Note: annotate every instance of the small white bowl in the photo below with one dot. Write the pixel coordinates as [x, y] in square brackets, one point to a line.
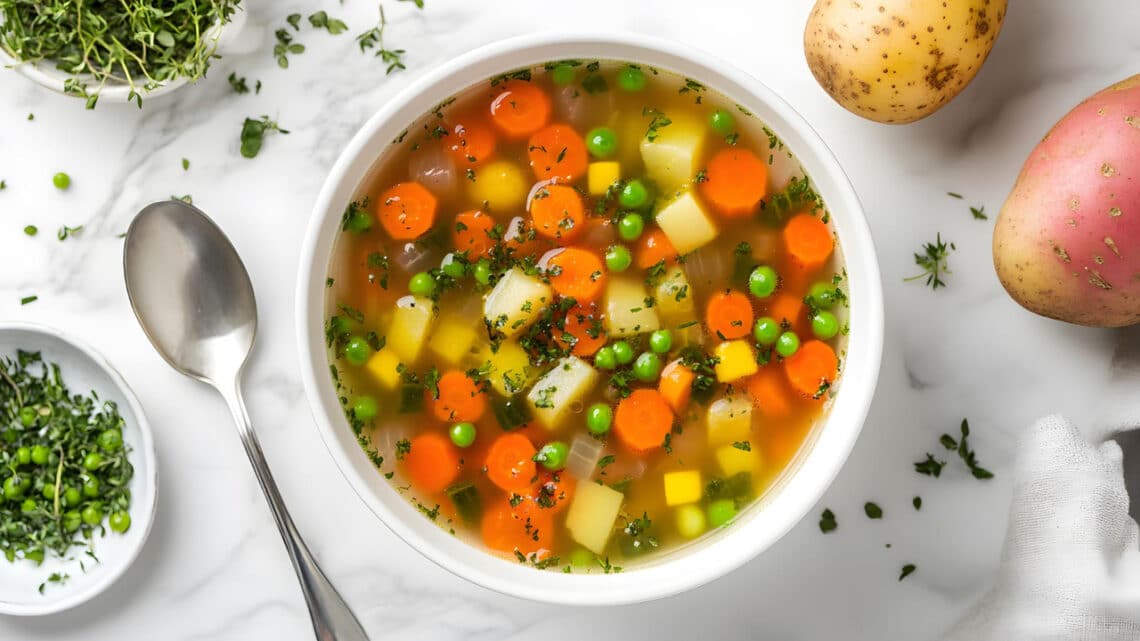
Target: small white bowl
[83, 370]
[756, 528]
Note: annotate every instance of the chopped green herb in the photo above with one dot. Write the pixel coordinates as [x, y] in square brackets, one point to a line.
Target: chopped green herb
[66, 232]
[917, 503]
[907, 570]
[827, 522]
[954, 195]
[979, 213]
[930, 466]
[185, 164]
[253, 134]
[31, 230]
[321, 20]
[934, 262]
[238, 84]
[658, 122]
[29, 299]
[743, 445]
[872, 510]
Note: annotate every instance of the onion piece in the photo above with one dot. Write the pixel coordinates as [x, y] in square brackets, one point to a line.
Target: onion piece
[707, 265]
[578, 107]
[585, 452]
[416, 257]
[434, 168]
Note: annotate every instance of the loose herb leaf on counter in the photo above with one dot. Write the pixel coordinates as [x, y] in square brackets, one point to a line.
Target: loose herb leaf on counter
[979, 213]
[968, 456]
[321, 20]
[419, 3]
[3, 185]
[253, 134]
[27, 300]
[917, 503]
[66, 232]
[827, 522]
[185, 164]
[954, 195]
[933, 261]
[31, 230]
[374, 39]
[872, 510]
[930, 466]
[239, 85]
[906, 571]
[286, 46]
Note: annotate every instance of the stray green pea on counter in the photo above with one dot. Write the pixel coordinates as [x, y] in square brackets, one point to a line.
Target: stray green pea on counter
[63, 462]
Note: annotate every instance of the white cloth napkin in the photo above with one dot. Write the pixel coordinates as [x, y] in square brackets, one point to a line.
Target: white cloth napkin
[1070, 567]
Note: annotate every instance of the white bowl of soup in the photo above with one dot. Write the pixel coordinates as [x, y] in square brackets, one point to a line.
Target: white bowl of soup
[589, 319]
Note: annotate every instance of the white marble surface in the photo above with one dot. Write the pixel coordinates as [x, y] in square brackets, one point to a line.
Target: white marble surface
[214, 567]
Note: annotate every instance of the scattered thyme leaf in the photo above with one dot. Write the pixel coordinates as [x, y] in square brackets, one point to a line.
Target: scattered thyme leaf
[979, 213]
[872, 510]
[827, 522]
[933, 261]
[253, 134]
[907, 570]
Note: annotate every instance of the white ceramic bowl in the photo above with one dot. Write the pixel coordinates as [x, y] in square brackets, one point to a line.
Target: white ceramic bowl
[755, 529]
[83, 370]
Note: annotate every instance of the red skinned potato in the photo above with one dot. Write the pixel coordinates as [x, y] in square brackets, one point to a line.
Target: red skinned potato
[1067, 240]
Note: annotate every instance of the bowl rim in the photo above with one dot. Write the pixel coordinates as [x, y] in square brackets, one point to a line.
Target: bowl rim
[714, 555]
[142, 516]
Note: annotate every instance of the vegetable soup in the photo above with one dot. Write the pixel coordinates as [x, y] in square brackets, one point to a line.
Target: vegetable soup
[584, 313]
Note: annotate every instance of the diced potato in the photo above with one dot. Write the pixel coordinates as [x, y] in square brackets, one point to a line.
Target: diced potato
[675, 298]
[510, 370]
[626, 311]
[515, 301]
[501, 185]
[686, 224]
[411, 323]
[553, 395]
[452, 339]
[730, 420]
[592, 514]
[691, 521]
[682, 487]
[600, 175]
[736, 361]
[671, 158]
[733, 460]
[382, 366]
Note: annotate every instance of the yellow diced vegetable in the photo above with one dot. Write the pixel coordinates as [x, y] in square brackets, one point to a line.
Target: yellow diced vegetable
[510, 370]
[675, 298]
[682, 487]
[411, 323]
[733, 460]
[600, 175]
[626, 311]
[382, 366]
[592, 514]
[736, 361]
[554, 395]
[686, 224]
[730, 420]
[691, 521]
[671, 157]
[501, 185]
[515, 302]
[452, 339]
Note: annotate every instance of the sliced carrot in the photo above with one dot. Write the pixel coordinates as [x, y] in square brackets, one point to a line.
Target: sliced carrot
[472, 141]
[728, 315]
[676, 385]
[553, 491]
[459, 399]
[406, 210]
[786, 308]
[520, 109]
[643, 419]
[509, 462]
[770, 392]
[736, 180]
[432, 463]
[472, 233]
[557, 212]
[653, 248]
[584, 324]
[812, 366]
[808, 241]
[523, 527]
[558, 152]
[577, 273]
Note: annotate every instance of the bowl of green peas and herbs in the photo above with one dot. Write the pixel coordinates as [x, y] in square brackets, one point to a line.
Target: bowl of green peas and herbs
[77, 472]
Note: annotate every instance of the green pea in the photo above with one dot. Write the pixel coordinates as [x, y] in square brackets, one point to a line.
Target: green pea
[462, 434]
[110, 440]
[601, 142]
[661, 341]
[90, 488]
[40, 454]
[634, 195]
[824, 325]
[421, 284]
[647, 367]
[822, 295]
[553, 455]
[13, 488]
[61, 180]
[722, 121]
[605, 358]
[766, 330]
[721, 512]
[599, 418]
[623, 351]
[23, 455]
[72, 520]
[562, 74]
[787, 344]
[631, 79]
[28, 506]
[71, 496]
[482, 272]
[120, 522]
[453, 266]
[365, 408]
[49, 491]
[92, 514]
[357, 351]
[618, 258]
[358, 223]
[92, 461]
[28, 416]
[630, 226]
[762, 281]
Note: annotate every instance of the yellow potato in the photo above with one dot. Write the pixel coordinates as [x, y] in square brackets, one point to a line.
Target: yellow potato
[897, 61]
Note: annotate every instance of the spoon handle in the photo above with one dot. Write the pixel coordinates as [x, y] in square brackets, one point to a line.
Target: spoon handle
[331, 616]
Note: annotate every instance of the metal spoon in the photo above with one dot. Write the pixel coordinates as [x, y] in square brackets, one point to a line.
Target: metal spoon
[192, 296]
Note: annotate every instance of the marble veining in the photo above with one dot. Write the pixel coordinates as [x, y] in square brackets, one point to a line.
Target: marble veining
[214, 567]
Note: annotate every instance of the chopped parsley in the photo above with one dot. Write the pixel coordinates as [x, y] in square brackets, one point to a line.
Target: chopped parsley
[907, 570]
[872, 510]
[658, 122]
[827, 522]
[934, 262]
